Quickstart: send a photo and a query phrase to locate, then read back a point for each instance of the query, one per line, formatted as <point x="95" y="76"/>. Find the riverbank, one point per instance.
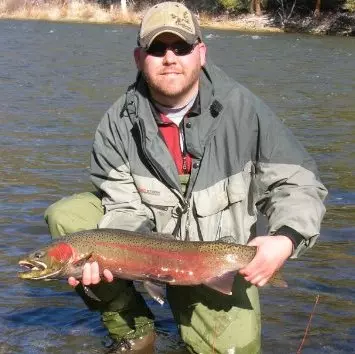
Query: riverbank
<point x="83" y="11"/>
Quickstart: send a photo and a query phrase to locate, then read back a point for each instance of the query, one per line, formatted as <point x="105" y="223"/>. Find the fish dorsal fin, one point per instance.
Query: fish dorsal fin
<point x="227" y="239"/>
<point x="223" y="283"/>
<point x="156" y="291"/>
<point x="163" y="236"/>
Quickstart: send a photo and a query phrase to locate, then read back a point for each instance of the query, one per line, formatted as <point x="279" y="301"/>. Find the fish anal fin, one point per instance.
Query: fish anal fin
<point x="223" y="283"/>
<point x="156" y="291"/>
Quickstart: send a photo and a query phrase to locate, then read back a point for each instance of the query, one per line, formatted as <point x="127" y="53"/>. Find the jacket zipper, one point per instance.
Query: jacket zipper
<point x="132" y="113"/>
<point x="164" y="177"/>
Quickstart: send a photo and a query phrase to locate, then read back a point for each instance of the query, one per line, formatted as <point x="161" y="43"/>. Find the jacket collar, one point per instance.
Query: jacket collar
<point x="214" y="83"/>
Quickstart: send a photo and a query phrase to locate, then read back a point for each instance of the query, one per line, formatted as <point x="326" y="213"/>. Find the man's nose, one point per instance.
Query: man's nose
<point x="169" y="57"/>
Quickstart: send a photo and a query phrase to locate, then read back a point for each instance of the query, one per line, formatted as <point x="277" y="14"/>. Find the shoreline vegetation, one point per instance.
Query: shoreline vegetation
<point x="85" y="11"/>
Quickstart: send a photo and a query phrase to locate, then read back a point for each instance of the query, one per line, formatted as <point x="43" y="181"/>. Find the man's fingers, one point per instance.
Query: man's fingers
<point x="73" y="282"/>
<point x="259" y="279"/>
<point x="108" y="275"/>
<point x="256" y="279"/>
<point x="95" y="273"/>
<point x="272" y="252"/>
<point x="257" y="272"/>
<point x="91" y="275"/>
<point x="253" y="267"/>
<point x="86" y="280"/>
<point x="262" y="282"/>
<point x="257" y="241"/>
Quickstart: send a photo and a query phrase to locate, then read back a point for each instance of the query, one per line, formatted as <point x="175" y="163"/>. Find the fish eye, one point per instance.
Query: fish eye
<point x="38" y="254"/>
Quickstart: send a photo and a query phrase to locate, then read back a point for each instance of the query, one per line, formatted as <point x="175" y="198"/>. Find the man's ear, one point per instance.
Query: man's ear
<point x="203" y="52"/>
<point x="137" y="57"/>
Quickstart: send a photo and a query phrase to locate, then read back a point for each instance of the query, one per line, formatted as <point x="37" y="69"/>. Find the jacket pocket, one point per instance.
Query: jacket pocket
<point x="239" y="218"/>
<point x="211" y="200"/>
<point x="220" y="209"/>
<point x="208" y="208"/>
<point x="236" y="188"/>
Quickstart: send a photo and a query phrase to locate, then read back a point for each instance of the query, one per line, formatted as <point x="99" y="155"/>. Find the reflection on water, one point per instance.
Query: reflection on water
<point x="58" y="79"/>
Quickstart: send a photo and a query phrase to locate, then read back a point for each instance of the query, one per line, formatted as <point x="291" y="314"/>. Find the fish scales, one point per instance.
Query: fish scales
<point x="148" y="257"/>
<point x="130" y="255"/>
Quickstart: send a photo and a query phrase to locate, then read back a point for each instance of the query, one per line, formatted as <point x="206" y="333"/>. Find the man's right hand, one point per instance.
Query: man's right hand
<point x="91" y="275"/>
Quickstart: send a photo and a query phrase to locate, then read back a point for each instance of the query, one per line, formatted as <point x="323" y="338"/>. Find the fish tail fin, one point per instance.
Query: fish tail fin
<point x="278" y="281"/>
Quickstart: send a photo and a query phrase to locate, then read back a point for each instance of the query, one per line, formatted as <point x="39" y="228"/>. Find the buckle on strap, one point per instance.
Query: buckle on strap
<point x="178" y="212"/>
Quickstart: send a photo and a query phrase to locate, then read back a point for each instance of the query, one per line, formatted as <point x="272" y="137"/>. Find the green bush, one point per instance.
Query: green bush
<point x="228" y="4"/>
<point x="235" y="5"/>
<point x="350" y="5"/>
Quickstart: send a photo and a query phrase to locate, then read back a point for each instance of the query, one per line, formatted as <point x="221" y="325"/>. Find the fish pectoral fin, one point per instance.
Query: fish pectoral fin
<point x="80" y="262"/>
<point x="223" y="283"/>
<point x="156" y="291"/>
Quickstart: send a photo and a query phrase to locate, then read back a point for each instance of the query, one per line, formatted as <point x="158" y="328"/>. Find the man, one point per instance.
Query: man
<point x="190" y="152"/>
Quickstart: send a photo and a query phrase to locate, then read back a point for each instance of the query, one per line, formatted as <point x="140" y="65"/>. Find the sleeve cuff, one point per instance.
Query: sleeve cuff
<point x="292" y="234"/>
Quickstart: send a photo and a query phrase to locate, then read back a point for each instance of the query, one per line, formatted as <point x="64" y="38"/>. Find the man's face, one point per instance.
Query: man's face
<point x="172" y="79"/>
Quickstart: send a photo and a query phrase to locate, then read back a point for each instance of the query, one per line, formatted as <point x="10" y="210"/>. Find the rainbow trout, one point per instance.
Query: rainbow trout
<point x="152" y="258"/>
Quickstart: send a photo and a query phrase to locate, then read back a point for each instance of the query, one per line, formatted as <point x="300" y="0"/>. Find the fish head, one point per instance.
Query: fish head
<point x="47" y="263"/>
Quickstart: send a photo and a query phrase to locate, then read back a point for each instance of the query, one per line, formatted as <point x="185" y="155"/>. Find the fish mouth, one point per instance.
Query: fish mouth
<point x="36" y="270"/>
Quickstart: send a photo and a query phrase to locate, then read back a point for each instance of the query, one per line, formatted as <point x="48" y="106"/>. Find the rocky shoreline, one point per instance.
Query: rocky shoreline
<point x="340" y="24"/>
<point x="335" y="24"/>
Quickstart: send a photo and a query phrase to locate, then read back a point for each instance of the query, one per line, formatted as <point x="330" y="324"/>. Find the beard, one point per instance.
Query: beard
<point x="172" y="88"/>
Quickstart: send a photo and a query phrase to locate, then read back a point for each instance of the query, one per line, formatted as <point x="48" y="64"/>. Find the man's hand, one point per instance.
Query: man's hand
<point x="271" y="254"/>
<point x="91" y="275"/>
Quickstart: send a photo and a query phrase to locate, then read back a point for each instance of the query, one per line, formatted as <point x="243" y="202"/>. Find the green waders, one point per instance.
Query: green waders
<point x="209" y="322"/>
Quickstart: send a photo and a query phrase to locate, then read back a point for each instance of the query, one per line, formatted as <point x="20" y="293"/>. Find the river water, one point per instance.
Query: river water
<point x="56" y="82"/>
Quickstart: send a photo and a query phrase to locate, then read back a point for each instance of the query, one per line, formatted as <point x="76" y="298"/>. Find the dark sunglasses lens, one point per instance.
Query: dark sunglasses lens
<point x="158" y="49"/>
<point x="182" y="48"/>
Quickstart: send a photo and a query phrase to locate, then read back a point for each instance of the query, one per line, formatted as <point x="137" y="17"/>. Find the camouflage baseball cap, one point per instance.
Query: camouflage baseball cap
<point x="172" y="17"/>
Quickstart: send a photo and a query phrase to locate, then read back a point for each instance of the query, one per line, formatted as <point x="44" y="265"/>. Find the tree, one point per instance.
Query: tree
<point x="255" y="7"/>
<point x="316" y="12"/>
<point x="285" y="12"/>
<point x="124" y="7"/>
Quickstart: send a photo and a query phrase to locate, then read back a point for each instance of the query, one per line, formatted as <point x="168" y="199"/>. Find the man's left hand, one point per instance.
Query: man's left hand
<point x="271" y="254"/>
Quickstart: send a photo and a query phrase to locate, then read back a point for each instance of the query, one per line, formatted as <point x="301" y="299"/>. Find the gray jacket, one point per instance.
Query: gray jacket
<point x="245" y="161"/>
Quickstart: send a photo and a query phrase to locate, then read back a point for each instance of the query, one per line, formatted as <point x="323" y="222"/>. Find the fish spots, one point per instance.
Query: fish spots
<point x="231" y="258"/>
<point x="150" y="248"/>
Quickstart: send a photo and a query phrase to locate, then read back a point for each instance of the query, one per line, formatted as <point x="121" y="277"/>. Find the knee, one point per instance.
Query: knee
<point x="57" y="217"/>
<point x="81" y="211"/>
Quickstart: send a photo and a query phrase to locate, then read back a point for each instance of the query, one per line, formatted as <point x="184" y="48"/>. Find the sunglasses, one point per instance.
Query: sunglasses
<point x="158" y="49"/>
